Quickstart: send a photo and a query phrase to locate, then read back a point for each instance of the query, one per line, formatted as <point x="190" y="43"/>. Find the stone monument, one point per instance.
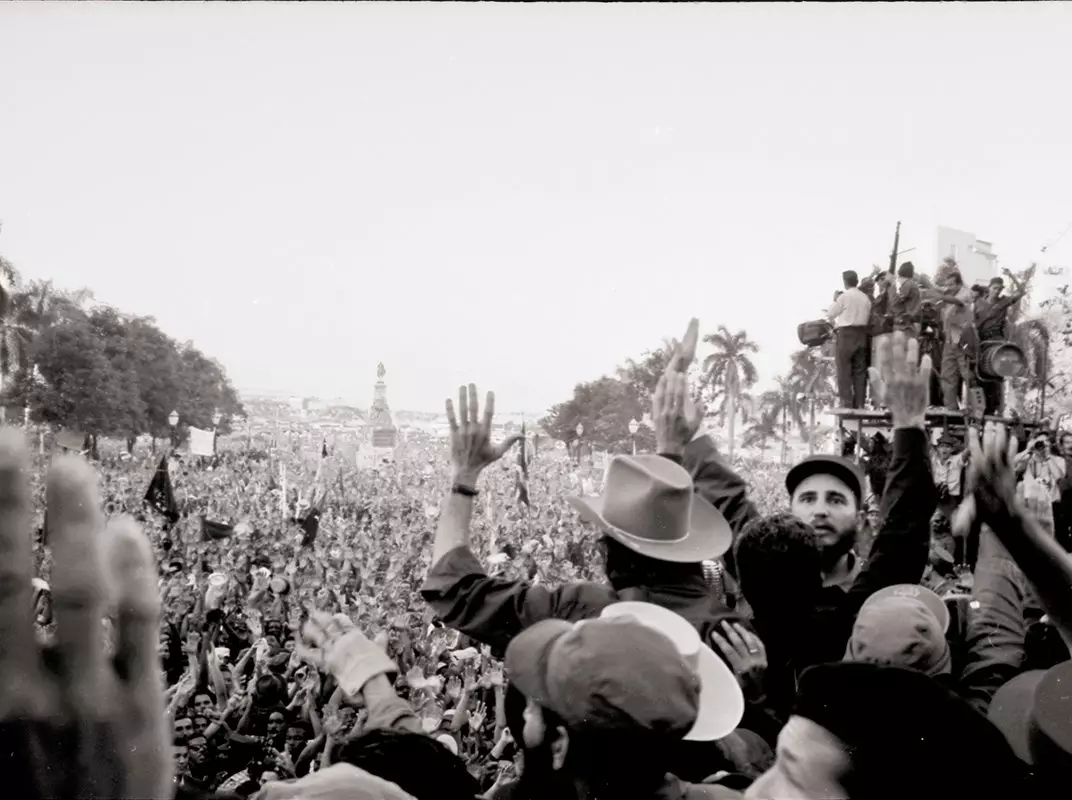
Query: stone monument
<point x="384" y="432"/>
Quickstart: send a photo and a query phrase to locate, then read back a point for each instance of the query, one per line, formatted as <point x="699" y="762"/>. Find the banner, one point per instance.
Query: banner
<point x="202" y="443"/>
<point x="70" y="440"/>
<point x="366" y="459"/>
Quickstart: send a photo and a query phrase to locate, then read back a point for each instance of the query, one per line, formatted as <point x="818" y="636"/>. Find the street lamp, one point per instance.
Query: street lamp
<point x="173" y="421"/>
<point x="634" y="426"/>
<point x="216" y="417"/>
<point x="580" y="433"/>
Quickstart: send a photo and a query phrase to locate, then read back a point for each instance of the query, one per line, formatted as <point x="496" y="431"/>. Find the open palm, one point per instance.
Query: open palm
<point x="471" y="447"/>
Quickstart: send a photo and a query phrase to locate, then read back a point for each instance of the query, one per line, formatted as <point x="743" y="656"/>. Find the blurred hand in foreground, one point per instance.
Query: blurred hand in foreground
<point x="72" y="723"/>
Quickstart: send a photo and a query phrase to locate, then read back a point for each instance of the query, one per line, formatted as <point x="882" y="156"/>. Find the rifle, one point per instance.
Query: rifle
<point x="893" y="252"/>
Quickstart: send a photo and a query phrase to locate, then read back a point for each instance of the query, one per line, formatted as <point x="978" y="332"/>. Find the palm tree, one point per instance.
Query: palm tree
<point x="728" y="372"/>
<point x="783" y="402"/>
<point x="813" y="378"/>
<point x="761" y="430"/>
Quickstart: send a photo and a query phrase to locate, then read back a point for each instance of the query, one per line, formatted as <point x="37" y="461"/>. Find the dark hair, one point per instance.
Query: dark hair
<point x="392" y="755"/>
<point x="850" y="278"/>
<point x="206" y="691"/>
<point x="906" y="270"/>
<point x="778" y="557"/>
<point x="301" y="725"/>
<point x="626" y="569"/>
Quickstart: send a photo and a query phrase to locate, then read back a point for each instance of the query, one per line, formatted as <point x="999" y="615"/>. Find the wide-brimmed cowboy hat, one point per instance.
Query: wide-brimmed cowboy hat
<point x="648" y="505"/>
<point x="721" y="698"/>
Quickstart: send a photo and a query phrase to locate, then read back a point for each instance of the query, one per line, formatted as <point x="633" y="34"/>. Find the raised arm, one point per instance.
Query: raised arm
<point x="899" y="553"/>
<point x="490" y="610"/>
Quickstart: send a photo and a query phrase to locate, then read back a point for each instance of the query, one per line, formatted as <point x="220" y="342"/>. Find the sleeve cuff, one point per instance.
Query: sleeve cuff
<point x="455" y="565"/>
<point x="364" y="664"/>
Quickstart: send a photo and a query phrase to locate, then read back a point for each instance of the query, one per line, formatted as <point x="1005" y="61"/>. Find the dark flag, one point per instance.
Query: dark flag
<point x="159" y="496"/>
<point x="324" y="450"/>
<point x="214" y="531"/>
<point x="522" y="471"/>
<point x="310" y="524"/>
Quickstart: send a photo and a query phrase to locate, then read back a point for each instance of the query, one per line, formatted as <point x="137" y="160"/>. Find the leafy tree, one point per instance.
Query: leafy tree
<point x="79" y="383"/>
<point x="205" y="390"/>
<point x="98" y="370"/>
<point x="604" y="407"/>
<point x="128" y="418"/>
<point x="728" y="372"/>
<point x="160" y="373"/>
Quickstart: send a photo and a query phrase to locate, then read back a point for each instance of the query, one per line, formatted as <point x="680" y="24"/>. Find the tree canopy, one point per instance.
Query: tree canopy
<point x="90" y="367"/>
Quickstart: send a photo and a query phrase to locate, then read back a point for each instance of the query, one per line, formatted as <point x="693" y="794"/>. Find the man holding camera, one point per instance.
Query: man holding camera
<point x="851" y="313"/>
<point x="1041" y="474"/>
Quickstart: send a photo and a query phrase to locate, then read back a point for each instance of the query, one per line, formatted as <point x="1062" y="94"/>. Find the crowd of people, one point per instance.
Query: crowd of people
<point x="677" y="627"/>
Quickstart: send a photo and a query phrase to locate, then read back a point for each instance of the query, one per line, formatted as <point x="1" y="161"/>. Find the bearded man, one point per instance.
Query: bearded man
<point x="799" y="572"/>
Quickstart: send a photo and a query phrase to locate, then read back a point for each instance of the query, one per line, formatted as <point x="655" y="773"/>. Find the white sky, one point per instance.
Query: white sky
<point x="517" y="195"/>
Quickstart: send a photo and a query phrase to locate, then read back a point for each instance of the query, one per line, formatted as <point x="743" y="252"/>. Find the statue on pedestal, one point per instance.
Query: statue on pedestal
<point x="384" y="432"/>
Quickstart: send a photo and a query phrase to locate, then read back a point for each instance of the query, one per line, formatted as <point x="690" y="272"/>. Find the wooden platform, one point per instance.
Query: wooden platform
<point x="860" y="420"/>
<point x="934" y="416"/>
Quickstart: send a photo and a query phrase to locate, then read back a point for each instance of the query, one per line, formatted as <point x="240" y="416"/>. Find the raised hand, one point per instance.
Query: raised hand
<point x="454" y="689"/>
<point x="991" y="475"/>
<point x="471" y="448"/>
<point x="85" y="725"/>
<point x="415" y="678"/>
<point x="192" y="645"/>
<point x="683" y="353"/>
<point x="674" y="414"/>
<point x="477" y="717"/>
<point x="902" y="387"/>
<point x="332" y="726"/>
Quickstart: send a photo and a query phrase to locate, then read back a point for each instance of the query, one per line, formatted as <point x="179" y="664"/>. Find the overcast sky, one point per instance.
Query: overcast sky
<point x="518" y="195"/>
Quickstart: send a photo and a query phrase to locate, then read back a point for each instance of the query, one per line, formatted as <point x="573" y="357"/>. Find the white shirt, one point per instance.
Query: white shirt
<point x="852" y="308"/>
<point x="947" y="473"/>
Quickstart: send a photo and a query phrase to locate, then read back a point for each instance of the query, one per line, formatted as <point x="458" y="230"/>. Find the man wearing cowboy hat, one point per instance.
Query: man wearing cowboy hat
<point x="656" y="530"/>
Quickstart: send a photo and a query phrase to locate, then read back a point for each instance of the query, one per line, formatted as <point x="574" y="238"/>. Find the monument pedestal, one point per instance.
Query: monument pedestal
<point x="384" y="432"/>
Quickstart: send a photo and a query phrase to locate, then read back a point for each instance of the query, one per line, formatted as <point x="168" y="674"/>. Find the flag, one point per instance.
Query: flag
<point x="310" y="524"/>
<point x="214" y="531"/>
<point x="522" y="472"/>
<point x="324" y="449"/>
<point x="71" y="440"/>
<point x="160" y="496"/>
